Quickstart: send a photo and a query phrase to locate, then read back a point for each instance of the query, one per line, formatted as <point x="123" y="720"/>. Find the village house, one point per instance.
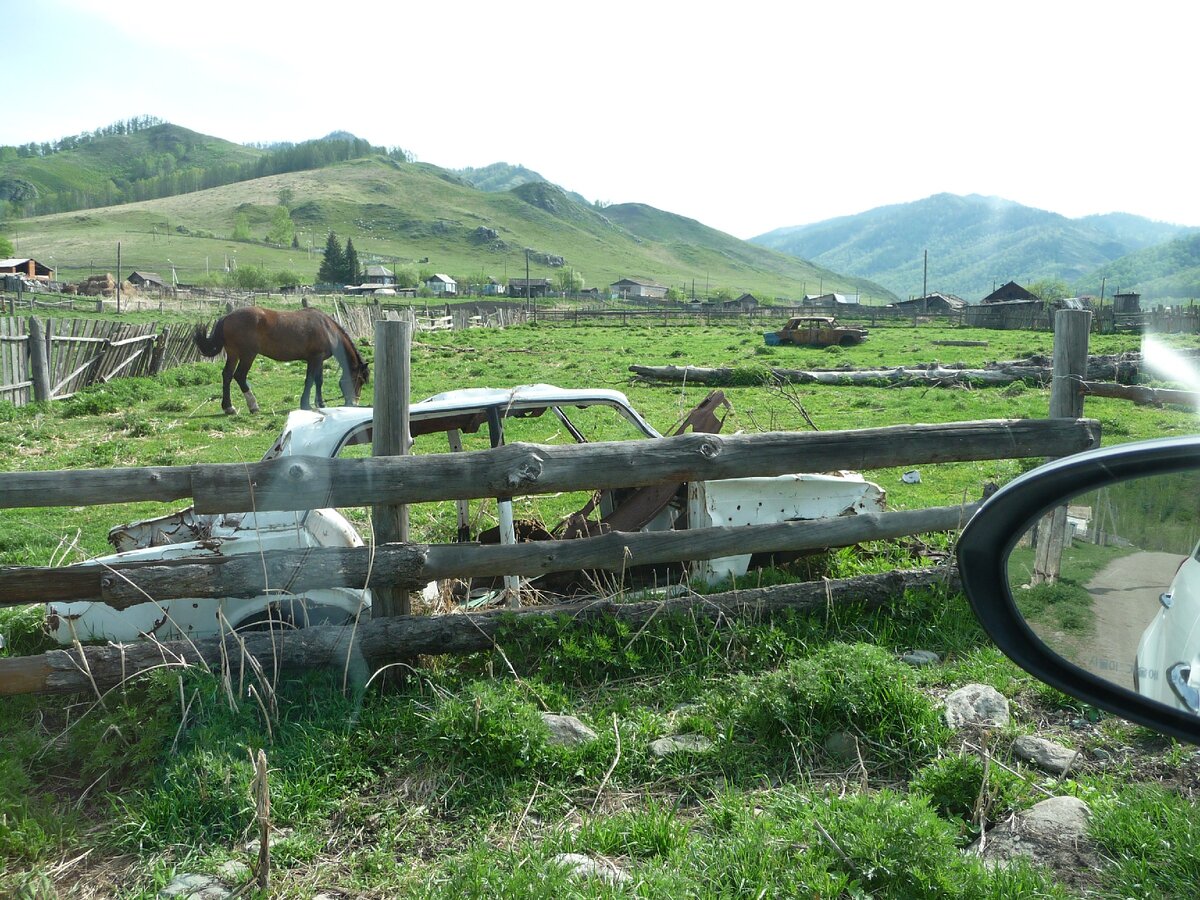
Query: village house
<point x="147" y="280"/>
<point x="744" y="303"/>
<point x="528" y="287"/>
<point x="380" y="275"/>
<point x="935" y="303"/>
<point x="441" y="284"/>
<point x="29" y="269"/>
<point x="1009" y="292"/>
<point x="492" y="288"/>
<point x="633" y="288"/>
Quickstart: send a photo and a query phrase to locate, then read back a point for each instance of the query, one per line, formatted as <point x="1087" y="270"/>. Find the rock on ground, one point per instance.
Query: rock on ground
<point x="586" y="867"/>
<point x="680" y="743"/>
<point x="567" y="731"/>
<point x="1046" y="755"/>
<point x="195" y="887"/>
<point x="919" y="658"/>
<point x="976" y="704"/>
<point x="1053" y="833"/>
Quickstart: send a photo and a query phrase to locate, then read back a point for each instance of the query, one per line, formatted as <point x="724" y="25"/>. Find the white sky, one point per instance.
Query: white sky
<point x="747" y="116"/>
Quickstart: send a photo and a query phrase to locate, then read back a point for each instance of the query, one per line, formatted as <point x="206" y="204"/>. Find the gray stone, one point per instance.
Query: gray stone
<point x="680" y="743"/>
<point x="1053" y="833"/>
<point x="1046" y="755"/>
<point x="233" y="870"/>
<point x="976" y="704"/>
<point x="567" y="731"/>
<point x="921" y="658"/>
<point x="1101" y="754"/>
<point x="196" y="887"/>
<point x="586" y="867"/>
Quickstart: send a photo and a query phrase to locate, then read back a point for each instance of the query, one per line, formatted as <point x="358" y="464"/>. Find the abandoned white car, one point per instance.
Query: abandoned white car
<point x="474" y="418"/>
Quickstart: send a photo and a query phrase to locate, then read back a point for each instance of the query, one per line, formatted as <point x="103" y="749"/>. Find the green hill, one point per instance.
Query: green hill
<point x="420" y="219"/>
<point x="974" y="243"/>
<point x="1168" y="272"/>
<point x="503" y="177"/>
<point x="109" y="168"/>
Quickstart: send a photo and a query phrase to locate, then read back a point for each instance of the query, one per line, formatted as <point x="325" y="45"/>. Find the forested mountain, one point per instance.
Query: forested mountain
<point x="974" y="243"/>
<point x="144" y="159"/>
<point x="1167" y="272"/>
<point x="417" y="219"/>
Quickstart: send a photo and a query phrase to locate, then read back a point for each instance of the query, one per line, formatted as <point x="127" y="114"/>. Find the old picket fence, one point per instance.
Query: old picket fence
<point x="78" y="353"/>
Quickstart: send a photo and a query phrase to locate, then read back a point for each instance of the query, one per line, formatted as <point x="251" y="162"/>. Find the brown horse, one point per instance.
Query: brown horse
<point x="306" y="334"/>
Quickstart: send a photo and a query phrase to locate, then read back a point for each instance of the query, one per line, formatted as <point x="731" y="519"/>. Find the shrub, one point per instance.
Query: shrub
<point x="859" y="689"/>
<point x="954" y="784"/>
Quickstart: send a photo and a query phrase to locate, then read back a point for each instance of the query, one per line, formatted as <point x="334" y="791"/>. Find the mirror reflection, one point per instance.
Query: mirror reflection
<point x="1110" y="581"/>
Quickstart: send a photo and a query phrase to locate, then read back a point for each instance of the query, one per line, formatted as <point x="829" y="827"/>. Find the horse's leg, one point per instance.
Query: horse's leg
<point x="347" y="380"/>
<point x="226" y="377"/>
<point x="312" y="376"/>
<point x="240" y="374"/>
<point x="320" y="383"/>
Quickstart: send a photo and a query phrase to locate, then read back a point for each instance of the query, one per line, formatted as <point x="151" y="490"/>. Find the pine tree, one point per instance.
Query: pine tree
<point x="350" y="267"/>
<point x="334" y="263"/>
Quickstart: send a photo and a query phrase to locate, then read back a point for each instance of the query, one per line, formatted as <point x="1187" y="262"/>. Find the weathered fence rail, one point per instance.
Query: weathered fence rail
<point x="371" y="644"/>
<point x="305" y="482"/>
<point x="409" y="567"/>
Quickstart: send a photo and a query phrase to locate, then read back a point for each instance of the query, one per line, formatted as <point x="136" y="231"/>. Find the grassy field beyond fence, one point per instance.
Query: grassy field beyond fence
<point x="441" y="782"/>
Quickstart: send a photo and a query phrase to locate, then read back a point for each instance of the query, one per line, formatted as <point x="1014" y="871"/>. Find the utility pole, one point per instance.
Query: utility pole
<point x="925" y="277"/>
<point x="528" y="289"/>
<point x="118" y="276"/>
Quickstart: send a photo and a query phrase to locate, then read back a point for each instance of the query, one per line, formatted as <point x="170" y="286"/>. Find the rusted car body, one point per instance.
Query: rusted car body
<point x="473" y="418"/>
<point x="816" y="331"/>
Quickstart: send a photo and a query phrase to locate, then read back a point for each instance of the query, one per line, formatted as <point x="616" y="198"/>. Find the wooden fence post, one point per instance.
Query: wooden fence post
<point x="39" y="361"/>
<point x="159" y="352"/>
<point x="390" y="437"/>
<point x="1071" y="329"/>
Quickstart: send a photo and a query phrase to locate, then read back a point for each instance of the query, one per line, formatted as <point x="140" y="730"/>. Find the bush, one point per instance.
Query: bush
<point x="954" y="784"/>
<point x="855" y="689"/>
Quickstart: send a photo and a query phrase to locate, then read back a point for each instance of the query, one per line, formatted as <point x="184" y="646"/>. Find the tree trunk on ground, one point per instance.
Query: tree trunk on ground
<point x="373" y="643"/>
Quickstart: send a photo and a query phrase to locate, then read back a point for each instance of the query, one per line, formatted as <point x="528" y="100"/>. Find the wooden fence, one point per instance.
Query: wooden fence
<point x="71" y="354"/>
<point x="298" y="483"/>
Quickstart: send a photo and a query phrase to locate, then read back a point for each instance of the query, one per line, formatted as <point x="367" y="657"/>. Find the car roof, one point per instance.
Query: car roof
<point x="320" y="432"/>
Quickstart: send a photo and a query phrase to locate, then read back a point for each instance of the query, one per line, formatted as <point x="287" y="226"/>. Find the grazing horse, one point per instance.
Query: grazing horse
<point x="306" y="334"/>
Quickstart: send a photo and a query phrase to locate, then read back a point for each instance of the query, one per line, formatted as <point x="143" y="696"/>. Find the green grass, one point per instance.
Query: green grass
<point x="831" y="774"/>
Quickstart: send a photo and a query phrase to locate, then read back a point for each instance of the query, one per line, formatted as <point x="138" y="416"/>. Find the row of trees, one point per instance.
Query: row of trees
<point x="339" y="266"/>
<point x="74" y="141"/>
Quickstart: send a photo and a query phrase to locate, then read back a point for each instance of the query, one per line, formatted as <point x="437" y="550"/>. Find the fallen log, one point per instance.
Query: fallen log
<point x="1141" y="395"/>
<point x="1122" y="368"/>
<point x="412" y="566"/>
<point x="373" y="643"/>
<point x="959" y="343"/>
<point x="931" y="376"/>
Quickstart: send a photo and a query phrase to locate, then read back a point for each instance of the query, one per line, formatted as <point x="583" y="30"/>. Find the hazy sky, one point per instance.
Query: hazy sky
<point x="747" y="116"/>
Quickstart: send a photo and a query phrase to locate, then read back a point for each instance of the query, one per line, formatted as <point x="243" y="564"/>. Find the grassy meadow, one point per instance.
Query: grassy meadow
<point x="442" y="783"/>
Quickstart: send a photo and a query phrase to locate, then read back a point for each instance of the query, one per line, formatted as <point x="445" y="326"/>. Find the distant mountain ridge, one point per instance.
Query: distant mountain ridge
<point x="501" y="176"/>
<point x="974" y="243"/>
<point x="205" y="208"/>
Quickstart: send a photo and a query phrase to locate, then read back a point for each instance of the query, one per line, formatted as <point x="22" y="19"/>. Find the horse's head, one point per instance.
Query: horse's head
<point x="360" y="375"/>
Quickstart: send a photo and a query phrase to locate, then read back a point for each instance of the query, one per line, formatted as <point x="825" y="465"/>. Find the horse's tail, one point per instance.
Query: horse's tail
<point x="212" y="344"/>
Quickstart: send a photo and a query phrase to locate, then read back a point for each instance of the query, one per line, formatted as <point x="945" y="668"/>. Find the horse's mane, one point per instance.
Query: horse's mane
<point x="358" y="360"/>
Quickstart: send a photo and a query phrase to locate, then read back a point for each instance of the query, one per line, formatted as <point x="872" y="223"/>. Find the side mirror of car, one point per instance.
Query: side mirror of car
<point x="1086" y="573"/>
